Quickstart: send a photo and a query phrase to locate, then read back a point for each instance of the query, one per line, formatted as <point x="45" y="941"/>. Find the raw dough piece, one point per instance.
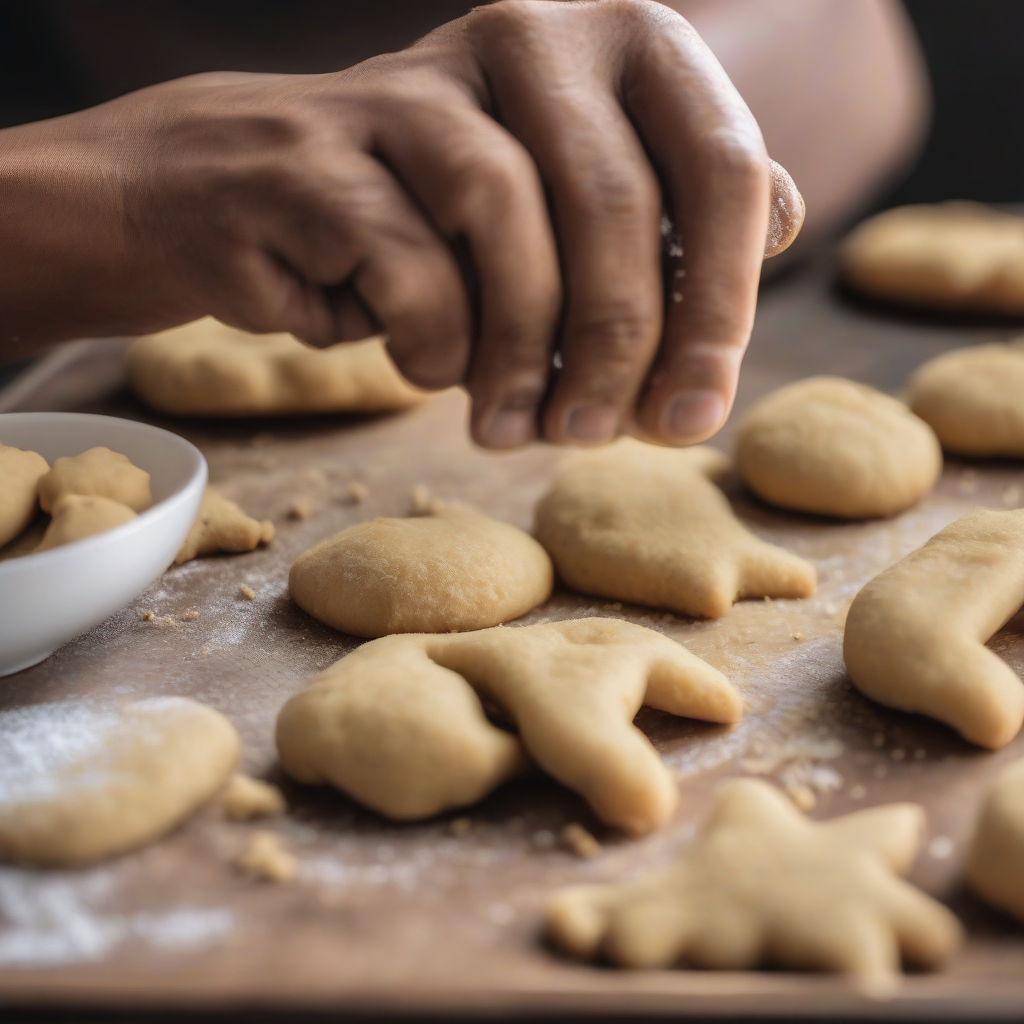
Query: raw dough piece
<point x="97" y="471"/>
<point x="915" y="634"/>
<point x="635" y="522"/>
<point x="761" y="884"/>
<point x="222" y="526"/>
<point x="453" y="570"/>
<point x="79" y="784"/>
<point x="20" y="472"/>
<point x="950" y="256"/>
<point x="398" y="727"/>
<point x="837" y="448"/>
<point x="208" y="369"/>
<point x="77" y="516"/>
<point x="265" y="857"/>
<point x="245" y="797"/>
<point x="974" y="399"/>
<point x="995" y="865"/>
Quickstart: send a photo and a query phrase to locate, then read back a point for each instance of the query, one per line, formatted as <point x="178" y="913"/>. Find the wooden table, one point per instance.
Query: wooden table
<point x="414" y="917"/>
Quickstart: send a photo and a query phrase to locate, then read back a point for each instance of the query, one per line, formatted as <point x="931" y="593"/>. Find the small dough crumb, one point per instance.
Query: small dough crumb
<point x="356" y="493"/>
<point x="302" y="508"/>
<point x="147" y="616"/>
<point x="580" y="841"/>
<point x="245" y="797"/>
<point x="191" y="614"/>
<point x="422" y="502"/>
<point x="247" y="592"/>
<point x="265" y="857"/>
<point x="459" y="826"/>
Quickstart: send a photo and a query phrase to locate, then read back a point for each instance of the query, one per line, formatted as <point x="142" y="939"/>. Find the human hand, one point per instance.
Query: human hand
<point x="542" y="141"/>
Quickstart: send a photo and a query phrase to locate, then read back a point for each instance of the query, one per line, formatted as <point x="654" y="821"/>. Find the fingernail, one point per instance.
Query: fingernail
<point x="592" y="424"/>
<point x="510" y="428"/>
<point x="694" y="414"/>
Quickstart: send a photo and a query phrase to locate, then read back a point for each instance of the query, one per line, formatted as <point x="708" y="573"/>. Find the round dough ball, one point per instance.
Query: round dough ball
<point x="973" y="398"/>
<point x="19" y="490"/>
<point x="80" y="783"/>
<point x="209" y="369"/>
<point x="455" y="570"/>
<point x="836" y="448"/>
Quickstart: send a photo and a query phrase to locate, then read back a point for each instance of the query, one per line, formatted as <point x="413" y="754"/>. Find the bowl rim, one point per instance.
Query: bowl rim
<point x="141" y="521"/>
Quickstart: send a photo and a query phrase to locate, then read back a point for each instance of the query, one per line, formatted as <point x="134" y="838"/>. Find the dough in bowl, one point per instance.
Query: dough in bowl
<point x="209" y="369"/>
<point x="961" y="256"/>
<point x="77" y="516"/>
<point x="81" y="783"/>
<point x="19" y="490"/>
<point x="98" y="471"/>
<point x="973" y="398"/>
<point x="836" y="448"/>
<point x="450" y="571"/>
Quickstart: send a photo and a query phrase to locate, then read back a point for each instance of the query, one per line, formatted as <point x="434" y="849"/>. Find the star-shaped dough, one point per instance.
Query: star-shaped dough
<point x="763" y="884"/>
<point x="635" y="522"/>
<point x="397" y="724"/>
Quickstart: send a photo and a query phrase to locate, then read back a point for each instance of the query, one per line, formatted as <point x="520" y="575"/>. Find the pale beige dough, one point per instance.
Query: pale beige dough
<point x="398" y="724"/>
<point x="760" y="885"/>
<point x="453" y="570"/>
<point x="837" y="448"/>
<point x="635" y="522"/>
<point x="77" y="516"/>
<point x="957" y="255"/>
<point x="245" y="797"/>
<point x="80" y="783"/>
<point x="206" y="368"/>
<point x="100" y="472"/>
<point x="995" y="864"/>
<point x="20" y="472"/>
<point x="222" y="526"/>
<point x="265" y="857"/>
<point x="974" y="399"/>
<point x="915" y="635"/>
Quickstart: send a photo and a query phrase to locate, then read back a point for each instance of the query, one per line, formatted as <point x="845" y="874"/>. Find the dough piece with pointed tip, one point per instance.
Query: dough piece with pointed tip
<point x="762" y="884"/>
<point x="949" y="256"/>
<point x="837" y="448"/>
<point x="77" y="516"/>
<point x="452" y="570"/>
<point x="222" y="526"/>
<point x="973" y="398"/>
<point x="206" y="368"/>
<point x="995" y="864"/>
<point x="915" y="635"/>
<point x="100" y="472"/>
<point x="20" y="472"/>
<point x="397" y="725"/>
<point x="81" y="783"/>
<point x="635" y="522"/>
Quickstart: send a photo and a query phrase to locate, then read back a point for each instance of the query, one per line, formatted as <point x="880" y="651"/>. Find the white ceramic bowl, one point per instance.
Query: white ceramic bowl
<point x="48" y="598"/>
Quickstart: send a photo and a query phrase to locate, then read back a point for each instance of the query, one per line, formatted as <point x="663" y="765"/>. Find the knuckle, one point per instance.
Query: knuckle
<point x="617" y="339"/>
<point x="617" y="190"/>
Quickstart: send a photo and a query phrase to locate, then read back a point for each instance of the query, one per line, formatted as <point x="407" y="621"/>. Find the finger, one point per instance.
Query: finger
<point x="478" y="183"/>
<point x="709" y="151"/>
<point x="606" y="207"/>
<point x="355" y="241"/>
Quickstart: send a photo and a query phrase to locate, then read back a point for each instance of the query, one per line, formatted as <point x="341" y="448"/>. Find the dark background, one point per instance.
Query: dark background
<point x="61" y="55"/>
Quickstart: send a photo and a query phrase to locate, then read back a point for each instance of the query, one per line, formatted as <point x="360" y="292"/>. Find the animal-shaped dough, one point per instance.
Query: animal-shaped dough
<point x="19" y="490"/>
<point x="452" y="570"/>
<point x="915" y="635"/>
<point x="974" y="399"/>
<point x="208" y="369"/>
<point x="635" y="522"/>
<point x="79" y="783"/>
<point x="995" y="864"/>
<point x="763" y="885"/>
<point x="98" y="471"/>
<point x="837" y="448"/>
<point x="950" y="256"/>
<point x="77" y="516"/>
<point x="222" y="526"/>
<point x="397" y="724"/>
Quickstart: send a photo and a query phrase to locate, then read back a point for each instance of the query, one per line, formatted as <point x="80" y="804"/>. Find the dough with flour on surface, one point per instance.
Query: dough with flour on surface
<point x="20" y="472"/>
<point x="206" y="368"/>
<point x="834" y="447"/>
<point x="99" y="472"/>
<point x="956" y="255"/>
<point x="81" y="783"/>
<point x="452" y="570"/>
<point x="77" y="516"/>
<point x="915" y="635"/>
<point x="222" y="526"/>
<point x="760" y="885"/>
<point x="973" y="398"/>
<point x="995" y="864"/>
<point x="635" y="522"/>
<point x="399" y="725"/>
